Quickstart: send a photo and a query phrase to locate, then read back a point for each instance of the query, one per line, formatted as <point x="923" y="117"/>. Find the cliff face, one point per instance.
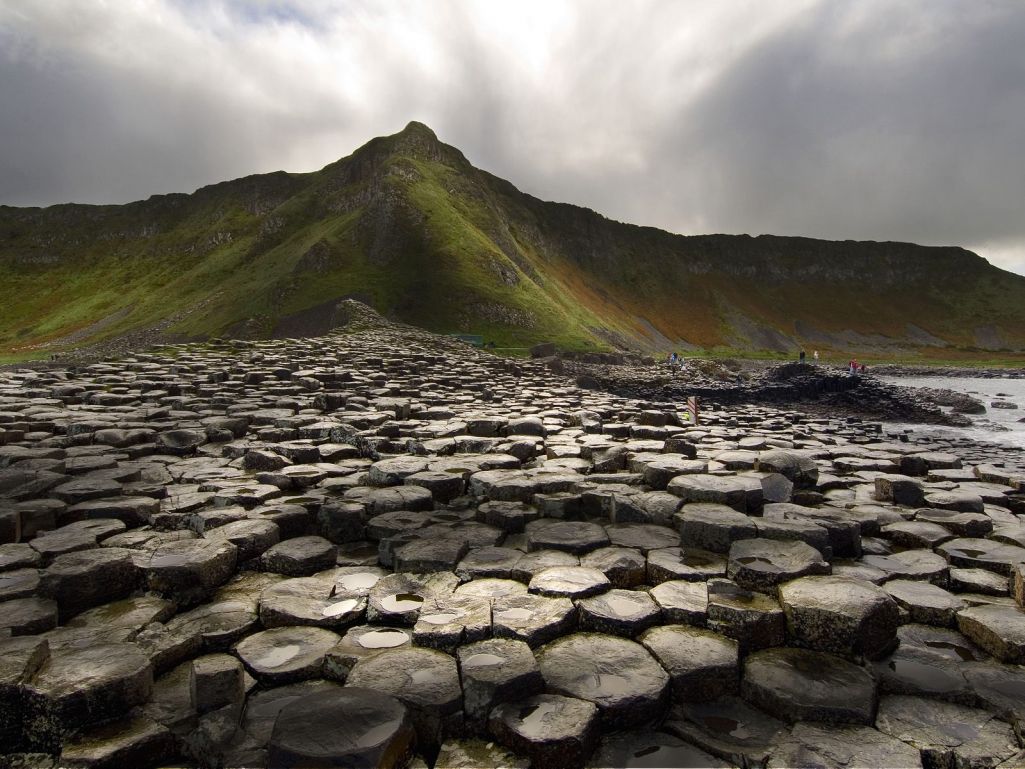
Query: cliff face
<point x="406" y="224"/>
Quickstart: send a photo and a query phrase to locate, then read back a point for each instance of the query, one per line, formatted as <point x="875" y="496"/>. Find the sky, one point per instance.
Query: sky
<point x="860" y="119"/>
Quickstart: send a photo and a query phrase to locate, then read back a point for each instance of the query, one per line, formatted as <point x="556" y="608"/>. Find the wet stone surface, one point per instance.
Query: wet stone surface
<point x="382" y="547"/>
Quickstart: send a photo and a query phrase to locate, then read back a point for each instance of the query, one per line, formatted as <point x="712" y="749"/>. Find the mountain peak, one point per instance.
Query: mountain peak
<point x="416" y="128"/>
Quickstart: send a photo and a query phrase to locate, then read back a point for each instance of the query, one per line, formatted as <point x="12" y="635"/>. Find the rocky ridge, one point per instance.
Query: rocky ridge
<point x="812" y="388"/>
<point x="385" y="548"/>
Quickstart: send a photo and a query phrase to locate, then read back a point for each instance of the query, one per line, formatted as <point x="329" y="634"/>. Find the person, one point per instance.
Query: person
<point x="862" y="368"/>
<point x="802" y="356"/>
<point x="815" y="355"/>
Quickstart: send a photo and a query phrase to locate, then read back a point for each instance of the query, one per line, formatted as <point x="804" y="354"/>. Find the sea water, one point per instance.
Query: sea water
<point x="1000" y="426"/>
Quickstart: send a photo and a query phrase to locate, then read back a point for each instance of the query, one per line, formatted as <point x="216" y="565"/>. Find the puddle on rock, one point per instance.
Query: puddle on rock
<point x="607" y="684"/>
<point x="282" y="655"/>
<point x="662" y="756"/>
<point x="362" y="581"/>
<point x="963" y="652"/>
<point x="442" y="618"/>
<point x="928" y="678"/>
<point x="727" y="726"/>
<point x="623" y="607"/>
<point x="340" y="607"/>
<point x="514" y="615"/>
<point x="532" y="719"/>
<point x="482" y="660"/>
<point x="382" y="639"/>
<point x="377" y="734"/>
<point x="749" y="559"/>
<point x="402" y="602"/>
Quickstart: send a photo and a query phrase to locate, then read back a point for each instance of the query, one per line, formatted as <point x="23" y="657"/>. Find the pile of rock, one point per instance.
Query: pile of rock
<point x="814" y="389"/>
<point x="384" y="548"/>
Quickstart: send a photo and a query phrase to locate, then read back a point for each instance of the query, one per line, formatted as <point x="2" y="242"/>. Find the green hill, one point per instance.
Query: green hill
<point x="409" y="226"/>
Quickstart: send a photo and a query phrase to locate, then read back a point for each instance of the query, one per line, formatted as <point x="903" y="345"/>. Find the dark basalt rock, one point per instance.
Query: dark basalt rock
<point x="553" y="731"/>
<point x="258" y="523"/>
<point x="619" y="676"/>
<point x="342" y="727"/>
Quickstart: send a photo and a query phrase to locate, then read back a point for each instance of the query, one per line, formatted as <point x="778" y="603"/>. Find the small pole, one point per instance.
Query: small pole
<point x="692" y="407"/>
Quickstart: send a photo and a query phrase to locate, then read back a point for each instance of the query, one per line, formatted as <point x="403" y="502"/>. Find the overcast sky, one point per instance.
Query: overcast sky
<point x="867" y="119"/>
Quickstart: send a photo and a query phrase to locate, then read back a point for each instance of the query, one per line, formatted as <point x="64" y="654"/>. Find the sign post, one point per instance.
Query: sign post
<point x="692" y="407"/>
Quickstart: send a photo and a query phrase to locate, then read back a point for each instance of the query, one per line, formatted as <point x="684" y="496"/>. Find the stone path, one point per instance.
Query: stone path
<point x="385" y="548"/>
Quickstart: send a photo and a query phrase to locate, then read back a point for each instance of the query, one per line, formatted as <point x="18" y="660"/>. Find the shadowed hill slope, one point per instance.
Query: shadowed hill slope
<point x="409" y="226"/>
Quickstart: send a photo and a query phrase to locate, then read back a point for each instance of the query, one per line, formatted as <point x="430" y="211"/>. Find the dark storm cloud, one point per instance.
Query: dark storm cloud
<point x="869" y="120"/>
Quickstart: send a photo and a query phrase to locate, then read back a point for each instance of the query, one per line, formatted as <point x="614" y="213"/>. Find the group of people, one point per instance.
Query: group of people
<point x="853" y="366"/>
<point x="675" y="359"/>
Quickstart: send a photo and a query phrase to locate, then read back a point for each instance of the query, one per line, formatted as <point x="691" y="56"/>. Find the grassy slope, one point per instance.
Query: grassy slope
<point x="407" y="224"/>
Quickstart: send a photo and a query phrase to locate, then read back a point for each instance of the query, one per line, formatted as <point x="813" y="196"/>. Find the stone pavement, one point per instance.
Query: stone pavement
<point x="383" y="548"/>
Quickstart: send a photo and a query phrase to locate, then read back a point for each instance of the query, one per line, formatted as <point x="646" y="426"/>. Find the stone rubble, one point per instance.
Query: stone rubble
<point x="383" y="548"/>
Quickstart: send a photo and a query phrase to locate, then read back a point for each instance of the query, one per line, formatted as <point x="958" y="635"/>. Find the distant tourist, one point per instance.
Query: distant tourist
<point x="862" y="368"/>
<point x="815" y="355"/>
<point x="802" y="356"/>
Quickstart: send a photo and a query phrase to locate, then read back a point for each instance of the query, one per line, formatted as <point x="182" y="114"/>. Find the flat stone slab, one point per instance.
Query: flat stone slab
<point x="947" y="734"/>
<point x="761" y="564"/>
<point x="569" y="582"/>
<point x="618" y="612"/>
<point x="252" y="537"/>
<point x="425" y="680"/>
<point x="18" y="556"/>
<point x="1000" y="630"/>
<point x="624" y="566"/>
<point x="681" y="563"/>
<point x="728" y="491"/>
<point x="474" y="753"/>
<point x="28" y="616"/>
<point x="911" y="564"/>
<point x="390" y="498"/>
<point x="682" y="602"/>
<point x="532" y="618"/>
<point x="925" y="602"/>
<point x="642" y="536"/>
<point x="447" y="621"/>
<point x="726" y="727"/>
<point x="300" y="556"/>
<point x="713" y="526"/>
<point x="814" y="744"/>
<point x="753" y="619"/>
<point x="702" y="665"/>
<point x="310" y="601"/>
<point x="619" y="676"/>
<point x="973" y="553"/>
<point x="82" y="580"/>
<point x="960" y="524"/>
<point x="79" y="686"/>
<point x="361" y="642"/>
<point x="134" y="741"/>
<point x="575" y="537"/>
<point x="286" y="654"/>
<point x="189" y="569"/>
<point x="651" y="749"/>
<point x="342" y="727"/>
<point x="804" y="685"/>
<point x="494" y="671"/>
<point x="552" y="730"/>
<point x="843" y="615"/>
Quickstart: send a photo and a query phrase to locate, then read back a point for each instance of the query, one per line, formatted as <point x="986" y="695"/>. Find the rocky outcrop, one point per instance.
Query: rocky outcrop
<point x="385" y="548"/>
